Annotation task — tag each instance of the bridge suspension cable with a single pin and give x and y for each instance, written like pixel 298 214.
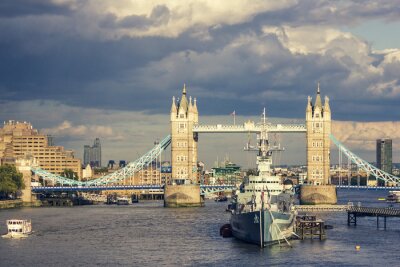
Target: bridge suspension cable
pixel 369 168
pixel 116 176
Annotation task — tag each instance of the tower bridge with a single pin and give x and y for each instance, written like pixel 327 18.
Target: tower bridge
pixel 185 130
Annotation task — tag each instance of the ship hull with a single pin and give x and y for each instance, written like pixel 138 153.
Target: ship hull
pixel 263 228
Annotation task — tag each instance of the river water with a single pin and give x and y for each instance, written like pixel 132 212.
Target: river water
pixel 146 234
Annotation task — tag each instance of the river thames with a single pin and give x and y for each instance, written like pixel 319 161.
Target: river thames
pixel 146 234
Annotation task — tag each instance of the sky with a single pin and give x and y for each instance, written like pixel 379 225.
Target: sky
pixel 81 69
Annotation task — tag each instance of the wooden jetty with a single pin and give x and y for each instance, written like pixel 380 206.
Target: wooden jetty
pixel 308 226
pixel 357 211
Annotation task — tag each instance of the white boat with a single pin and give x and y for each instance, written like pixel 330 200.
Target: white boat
pixel 394 196
pixel 122 201
pixel 18 228
pixel 263 211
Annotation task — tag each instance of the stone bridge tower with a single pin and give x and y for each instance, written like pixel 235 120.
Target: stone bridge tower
pixel 318 123
pixel 184 115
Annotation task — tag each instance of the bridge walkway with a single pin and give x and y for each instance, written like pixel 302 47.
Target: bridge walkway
pixel 356 211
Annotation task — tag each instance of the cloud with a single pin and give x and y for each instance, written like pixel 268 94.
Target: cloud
pixel 278 66
pixel 67 129
pixel 11 8
pixel 363 135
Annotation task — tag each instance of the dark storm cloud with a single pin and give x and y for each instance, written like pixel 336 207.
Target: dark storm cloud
pixel 15 8
pixel 72 59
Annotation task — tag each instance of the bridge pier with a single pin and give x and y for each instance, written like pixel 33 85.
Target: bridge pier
pixel 317 194
pixel 24 166
pixel 176 196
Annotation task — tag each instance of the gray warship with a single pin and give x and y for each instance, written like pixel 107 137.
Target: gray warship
pixel 262 209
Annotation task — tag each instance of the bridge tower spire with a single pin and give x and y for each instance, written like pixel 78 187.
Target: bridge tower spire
pixel 184 141
pixel 318 124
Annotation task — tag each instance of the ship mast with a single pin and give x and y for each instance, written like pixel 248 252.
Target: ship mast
pixel 263 137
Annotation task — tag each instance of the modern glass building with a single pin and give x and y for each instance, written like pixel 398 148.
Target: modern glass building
pixel 92 154
pixel 384 155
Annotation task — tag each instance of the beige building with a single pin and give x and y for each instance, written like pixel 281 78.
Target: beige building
pixel 87 172
pixel 184 115
pixel 149 176
pixel 19 139
pixel 318 123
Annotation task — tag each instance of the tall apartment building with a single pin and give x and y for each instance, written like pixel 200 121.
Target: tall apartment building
pixel 384 155
pixel 92 154
pixel 20 139
pixel 318 123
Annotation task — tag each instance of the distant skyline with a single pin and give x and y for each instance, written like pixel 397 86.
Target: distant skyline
pixel 108 69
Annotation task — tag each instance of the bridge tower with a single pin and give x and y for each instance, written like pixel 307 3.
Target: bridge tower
pixel 185 189
pixel 184 115
pixel 318 124
pixel 317 189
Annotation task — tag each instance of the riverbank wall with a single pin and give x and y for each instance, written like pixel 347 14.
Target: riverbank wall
pixel 18 203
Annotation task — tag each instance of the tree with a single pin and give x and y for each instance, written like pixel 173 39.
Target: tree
pixel 68 173
pixel 10 180
pixel 100 170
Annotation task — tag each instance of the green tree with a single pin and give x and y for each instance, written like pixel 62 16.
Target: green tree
pixel 10 180
pixel 100 170
pixel 68 173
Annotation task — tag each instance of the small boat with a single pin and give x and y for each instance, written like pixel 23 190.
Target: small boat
pixel 394 196
pixel 122 201
pixel 18 228
pixel 221 199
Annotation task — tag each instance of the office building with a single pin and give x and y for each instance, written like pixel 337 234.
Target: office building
pixel 19 140
pixel 384 155
pixel 92 154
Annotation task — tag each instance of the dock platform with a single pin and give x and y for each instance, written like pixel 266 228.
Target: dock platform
pixel 357 211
